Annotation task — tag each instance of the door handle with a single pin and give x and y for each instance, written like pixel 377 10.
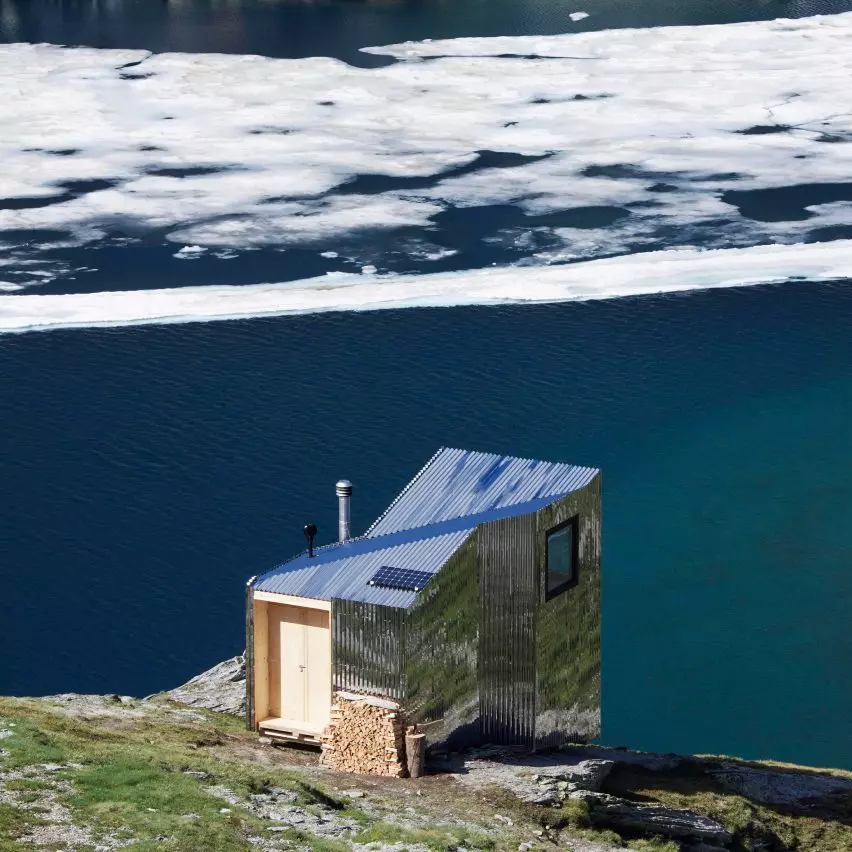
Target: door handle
pixel 301 668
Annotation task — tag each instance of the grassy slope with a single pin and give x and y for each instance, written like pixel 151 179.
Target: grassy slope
pixel 123 775
pixel 821 825
pixel 128 781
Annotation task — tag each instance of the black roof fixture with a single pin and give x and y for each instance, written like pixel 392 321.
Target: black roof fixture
pixel 310 534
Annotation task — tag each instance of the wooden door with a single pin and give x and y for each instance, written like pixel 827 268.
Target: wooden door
pixel 274 614
pixel 318 670
pixel 293 664
pixel 299 664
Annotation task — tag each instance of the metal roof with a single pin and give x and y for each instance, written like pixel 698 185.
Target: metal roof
pixel 455 483
pixel 432 517
pixel 347 576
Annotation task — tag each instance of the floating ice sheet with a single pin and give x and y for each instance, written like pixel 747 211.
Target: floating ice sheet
pixel 648 138
pixel 656 272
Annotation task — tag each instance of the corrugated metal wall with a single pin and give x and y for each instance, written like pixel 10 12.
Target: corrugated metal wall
pixel 367 648
pixel 568 649
pixel 481 655
pixel 509 588
pixel 442 646
pixel 250 656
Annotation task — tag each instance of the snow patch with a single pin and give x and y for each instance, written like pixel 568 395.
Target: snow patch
pixel 630 275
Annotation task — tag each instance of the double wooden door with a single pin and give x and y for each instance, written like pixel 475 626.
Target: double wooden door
pixel 299 664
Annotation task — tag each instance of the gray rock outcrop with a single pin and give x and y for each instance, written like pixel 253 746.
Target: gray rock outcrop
pixel 222 688
pixel 556 783
pixel 796 787
pixel 550 779
pixel 538 779
pixel 613 812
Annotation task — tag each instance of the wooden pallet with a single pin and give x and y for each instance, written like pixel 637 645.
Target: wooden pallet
pixel 275 730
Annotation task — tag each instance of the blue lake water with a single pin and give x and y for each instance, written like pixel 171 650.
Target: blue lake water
pixel 146 473
pixel 149 471
pixel 293 28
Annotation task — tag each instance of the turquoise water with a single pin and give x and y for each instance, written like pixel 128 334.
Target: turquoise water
pixel 148 472
pixel 744 581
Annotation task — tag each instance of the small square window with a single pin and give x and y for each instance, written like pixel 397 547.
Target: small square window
pixel 561 558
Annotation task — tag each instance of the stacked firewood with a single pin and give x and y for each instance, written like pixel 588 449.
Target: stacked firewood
pixel 366 735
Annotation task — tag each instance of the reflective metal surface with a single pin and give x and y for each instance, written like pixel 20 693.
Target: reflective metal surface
pixel 250 657
pixel 567 643
pixel 457 491
pixel 442 649
pixel 482 654
pixel 509 596
pixel 344 509
pixel 343 570
pixel 367 648
pixel 456 483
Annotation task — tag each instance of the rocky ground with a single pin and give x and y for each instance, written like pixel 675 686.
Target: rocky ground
pixel 222 688
pixel 179 772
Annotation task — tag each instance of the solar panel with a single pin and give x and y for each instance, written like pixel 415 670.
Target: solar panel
pixel 400 578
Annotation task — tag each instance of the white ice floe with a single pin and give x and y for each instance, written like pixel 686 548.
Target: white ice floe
pixel 189 252
pixel 242 151
pixel 827 215
pixel 630 275
pixel 434 254
pixel 578 16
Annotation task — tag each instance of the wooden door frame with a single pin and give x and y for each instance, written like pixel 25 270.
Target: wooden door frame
pixel 258 679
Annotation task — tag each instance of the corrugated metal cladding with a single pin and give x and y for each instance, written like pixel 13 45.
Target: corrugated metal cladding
pixel 349 576
pixel 343 569
pixel 568 631
pixel 368 648
pixel 251 712
pixel 442 653
pixel 456 483
pixel 509 591
pixel 426 524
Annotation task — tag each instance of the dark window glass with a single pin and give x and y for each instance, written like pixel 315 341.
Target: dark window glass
pixel 561 558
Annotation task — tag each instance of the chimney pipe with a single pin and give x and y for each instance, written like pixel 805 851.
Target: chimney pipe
pixel 344 492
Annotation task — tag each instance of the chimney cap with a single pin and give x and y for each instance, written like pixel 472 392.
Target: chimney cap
pixel 343 487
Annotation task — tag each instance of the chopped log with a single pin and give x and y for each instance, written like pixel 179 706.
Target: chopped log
pixel 415 753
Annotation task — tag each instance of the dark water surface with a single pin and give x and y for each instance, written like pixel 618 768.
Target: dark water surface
pixel 149 471
pixel 146 473
pixel 298 28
